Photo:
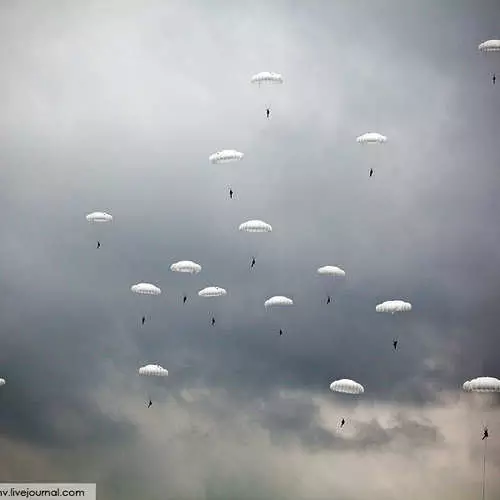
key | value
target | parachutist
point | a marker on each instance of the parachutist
(395, 344)
(184, 299)
(371, 172)
(98, 244)
(268, 112)
(281, 332)
(213, 321)
(143, 320)
(253, 263)
(328, 300)
(494, 79)
(231, 193)
(150, 403)
(342, 423)
(485, 434)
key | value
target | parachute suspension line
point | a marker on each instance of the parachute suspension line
(484, 469)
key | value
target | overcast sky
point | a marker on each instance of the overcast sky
(115, 106)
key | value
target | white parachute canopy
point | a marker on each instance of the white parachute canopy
(153, 371)
(347, 386)
(489, 46)
(212, 291)
(393, 306)
(255, 226)
(331, 271)
(186, 266)
(482, 384)
(2, 381)
(145, 289)
(371, 138)
(267, 77)
(278, 300)
(99, 217)
(226, 156)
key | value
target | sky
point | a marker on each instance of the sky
(116, 106)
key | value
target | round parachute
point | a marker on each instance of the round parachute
(255, 226)
(212, 291)
(226, 156)
(490, 46)
(186, 266)
(153, 371)
(145, 289)
(482, 384)
(371, 138)
(267, 77)
(99, 217)
(331, 271)
(278, 300)
(2, 381)
(347, 386)
(393, 306)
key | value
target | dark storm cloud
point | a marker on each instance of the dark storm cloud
(117, 107)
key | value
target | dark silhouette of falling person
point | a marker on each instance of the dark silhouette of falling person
(494, 78)
(231, 193)
(150, 403)
(143, 320)
(485, 434)
(371, 172)
(98, 244)
(213, 321)
(329, 299)
(342, 423)
(395, 344)
(268, 112)
(281, 331)
(184, 299)
(252, 263)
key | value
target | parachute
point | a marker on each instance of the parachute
(266, 77)
(483, 385)
(2, 381)
(491, 48)
(347, 386)
(255, 226)
(393, 306)
(212, 291)
(186, 266)
(98, 218)
(153, 371)
(331, 271)
(278, 300)
(371, 138)
(145, 289)
(226, 156)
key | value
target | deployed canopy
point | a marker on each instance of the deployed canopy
(255, 226)
(226, 156)
(153, 371)
(278, 300)
(482, 384)
(145, 289)
(371, 138)
(186, 266)
(393, 306)
(331, 271)
(267, 77)
(212, 291)
(99, 217)
(490, 46)
(347, 386)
